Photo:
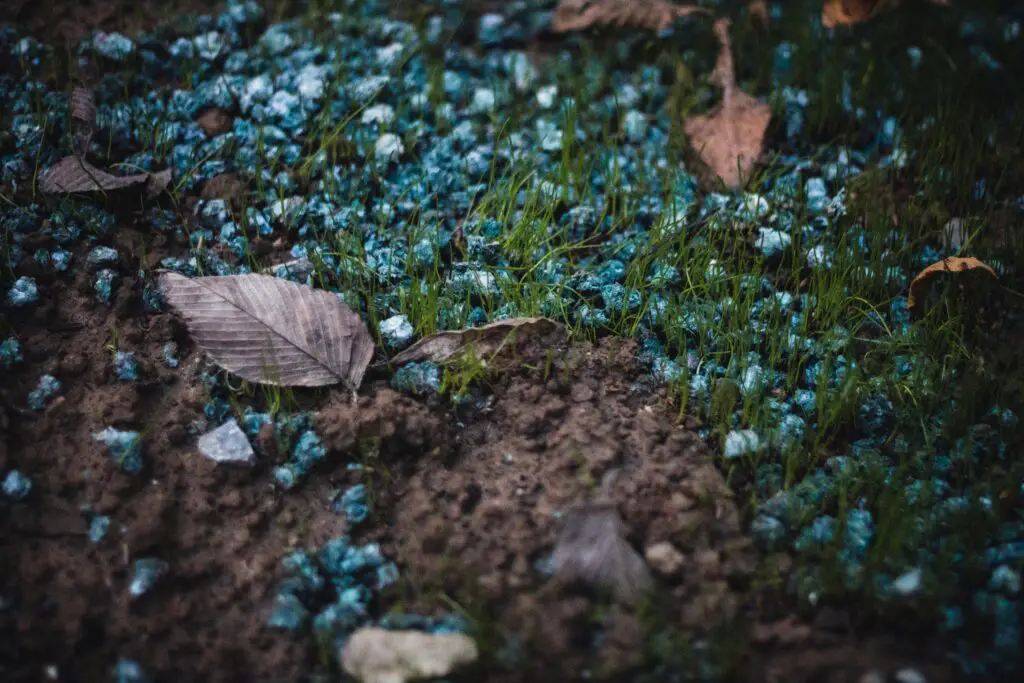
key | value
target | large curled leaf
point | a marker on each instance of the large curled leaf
(482, 341)
(657, 15)
(272, 331)
(730, 140)
(951, 265)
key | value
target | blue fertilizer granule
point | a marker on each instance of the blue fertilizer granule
(16, 485)
(148, 571)
(125, 366)
(125, 448)
(98, 528)
(129, 671)
(353, 504)
(170, 352)
(23, 293)
(10, 352)
(46, 389)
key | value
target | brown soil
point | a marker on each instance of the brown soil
(466, 512)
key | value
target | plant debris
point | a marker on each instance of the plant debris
(657, 15)
(485, 340)
(271, 331)
(953, 264)
(592, 548)
(74, 175)
(730, 140)
(847, 12)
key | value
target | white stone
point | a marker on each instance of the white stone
(910, 676)
(388, 148)
(375, 655)
(227, 444)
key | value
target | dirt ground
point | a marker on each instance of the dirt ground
(467, 509)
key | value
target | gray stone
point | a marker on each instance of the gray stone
(227, 443)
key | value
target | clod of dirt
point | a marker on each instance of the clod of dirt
(481, 524)
(375, 655)
(215, 121)
(664, 558)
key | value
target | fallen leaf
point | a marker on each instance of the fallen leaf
(954, 265)
(657, 15)
(759, 9)
(729, 140)
(74, 175)
(848, 12)
(272, 331)
(83, 119)
(592, 548)
(483, 341)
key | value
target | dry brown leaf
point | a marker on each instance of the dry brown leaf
(483, 341)
(83, 119)
(272, 331)
(847, 12)
(657, 15)
(954, 265)
(74, 175)
(729, 140)
(592, 547)
(759, 9)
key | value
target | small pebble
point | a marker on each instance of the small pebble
(741, 442)
(909, 675)
(227, 444)
(908, 583)
(664, 558)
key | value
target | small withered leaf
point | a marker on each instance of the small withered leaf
(952, 265)
(74, 175)
(272, 331)
(592, 548)
(730, 139)
(83, 119)
(847, 12)
(656, 15)
(482, 341)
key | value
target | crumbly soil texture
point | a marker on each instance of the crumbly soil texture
(465, 501)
